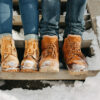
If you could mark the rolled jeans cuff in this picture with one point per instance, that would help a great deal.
(5, 34)
(31, 36)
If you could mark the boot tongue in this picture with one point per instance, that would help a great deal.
(31, 47)
(47, 40)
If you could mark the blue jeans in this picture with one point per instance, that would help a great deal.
(49, 24)
(74, 17)
(29, 15)
(51, 14)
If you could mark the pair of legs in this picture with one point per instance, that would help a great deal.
(49, 25)
(74, 17)
(30, 20)
(29, 15)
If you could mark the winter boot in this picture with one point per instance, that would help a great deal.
(49, 61)
(73, 56)
(9, 59)
(0, 45)
(31, 56)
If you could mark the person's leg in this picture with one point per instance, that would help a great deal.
(49, 32)
(75, 17)
(50, 17)
(9, 57)
(5, 17)
(73, 56)
(30, 19)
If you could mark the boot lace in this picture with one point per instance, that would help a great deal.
(50, 50)
(8, 49)
(73, 50)
(31, 50)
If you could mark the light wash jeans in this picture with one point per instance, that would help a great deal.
(50, 17)
(29, 15)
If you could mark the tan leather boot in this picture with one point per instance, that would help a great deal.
(0, 44)
(49, 57)
(73, 56)
(9, 59)
(31, 56)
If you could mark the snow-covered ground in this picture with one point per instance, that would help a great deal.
(94, 61)
(89, 90)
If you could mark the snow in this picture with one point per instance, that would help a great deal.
(98, 28)
(89, 35)
(86, 12)
(18, 35)
(15, 13)
(88, 90)
(94, 61)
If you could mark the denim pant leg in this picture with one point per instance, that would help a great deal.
(75, 17)
(5, 17)
(50, 17)
(30, 17)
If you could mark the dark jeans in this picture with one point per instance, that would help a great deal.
(74, 17)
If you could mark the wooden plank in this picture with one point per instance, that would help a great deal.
(94, 10)
(85, 43)
(62, 75)
(17, 19)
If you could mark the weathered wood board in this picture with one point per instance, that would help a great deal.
(94, 10)
(62, 75)
(85, 43)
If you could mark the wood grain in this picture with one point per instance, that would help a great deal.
(62, 75)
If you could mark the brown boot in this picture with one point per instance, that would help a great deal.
(0, 44)
(9, 59)
(49, 57)
(73, 56)
(31, 56)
